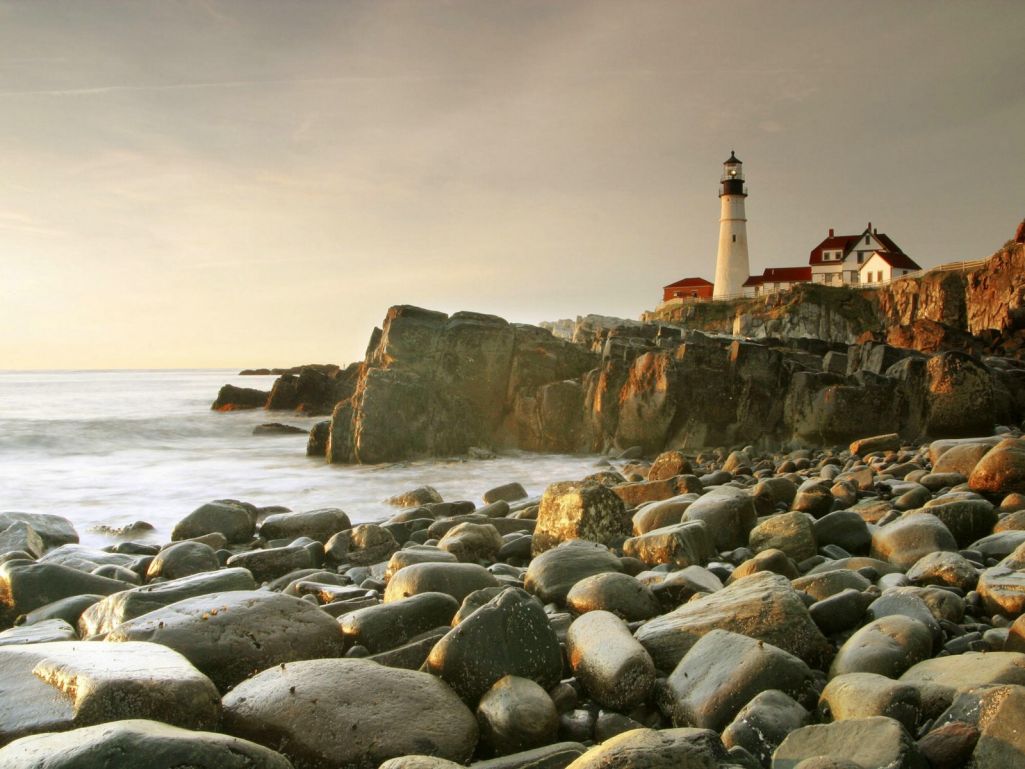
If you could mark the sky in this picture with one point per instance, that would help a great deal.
(233, 183)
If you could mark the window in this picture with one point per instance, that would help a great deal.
(734, 238)
(879, 276)
(861, 256)
(867, 240)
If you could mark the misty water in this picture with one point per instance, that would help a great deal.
(113, 447)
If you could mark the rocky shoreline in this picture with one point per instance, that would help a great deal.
(815, 608)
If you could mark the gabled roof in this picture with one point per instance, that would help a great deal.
(754, 280)
(897, 260)
(836, 243)
(689, 283)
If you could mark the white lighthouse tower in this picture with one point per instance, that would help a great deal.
(731, 264)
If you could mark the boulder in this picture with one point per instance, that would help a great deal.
(763, 606)
(232, 398)
(320, 524)
(1001, 470)
(235, 521)
(763, 723)
(614, 669)
(793, 533)
(864, 695)
(417, 554)
(182, 559)
(330, 713)
(666, 512)
(421, 495)
(864, 446)
(681, 545)
(966, 518)
(510, 635)
(28, 586)
(668, 464)
(455, 579)
(41, 632)
(998, 714)
(944, 568)
(844, 528)
(507, 492)
(230, 636)
(729, 517)
(53, 530)
(651, 749)
(21, 538)
(724, 671)
(623, 595)
(938, 679)
(103, 616)
(472, 542)
(887, 646)
(138, 744)
(273, 562)
(961, 458)
(910, 537)
(50, 687)
(571, 511)
(389, 625)
(516, 714)
(363, 545)
(878, 742)
(552, 574)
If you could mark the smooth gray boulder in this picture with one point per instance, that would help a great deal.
(887, 646)
(41, 632)
(863, 695)
(552, 574)
(235, 520)
(680, 544)
(103, 616)
(724, 671)
(54, 530)
(325, 714)
(516, 714)
(730, 516)
(621, 594)
(455, 579)
(28, 586)
(763, 723)
(661, 749)
(182, 559)
(879, 743)
(762, 606)
(390, 625)
(510, 635)
(51, 687)
(138, 744)
(319, 524)
(231, 636)
(614, 669)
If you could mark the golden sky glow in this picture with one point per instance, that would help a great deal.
(246, 182)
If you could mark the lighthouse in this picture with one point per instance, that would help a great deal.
(731, 264)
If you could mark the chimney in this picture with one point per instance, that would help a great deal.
(870, 226)
(875, 232)
(830, 232)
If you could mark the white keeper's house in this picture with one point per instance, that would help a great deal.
(871, 257)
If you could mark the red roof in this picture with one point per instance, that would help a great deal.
(898, 260)
(837, 243)
(688, 282)
(754, 280)
(786, 274)
(846, 244)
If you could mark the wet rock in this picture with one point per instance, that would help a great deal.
(511, 635)
(573, 511)
(68, 609)
(682, 545)
(53, 530)
(949, 746)
(1001, 470)
(729, 517)
(887, 646)
(998, 714)
(278, 428)
(508, 492)
(20, 537)
(363, 545)
(668, 464)
(621, 594)
(951, 569)
(138, 744)
(182, 559)
(58, 686)
(551, 574)
(637, 493)
(864, 446)
(879, 742)
(651, 749)
(774, 561)
(472, 542)
(418, 554)
(28, 586)
(844, 528)
(909, 538)
(389, 625)
(455, 579)
(763, 606)
(864, 695)
(723, 671)
(961, 458)
(235, 521)
(273, 562)
(967, 519)
(231, 636)
(792, 533)
(319, 524)
(657, 515)
(763, 723)
(824, 584)
(105, 615)
(317, 713)
(417, 497)
(614, 669)
(232, 398)
(41, 632)
(516, 714)
(938, 679)
(840, 612)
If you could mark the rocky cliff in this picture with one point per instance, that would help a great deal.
(979, 308)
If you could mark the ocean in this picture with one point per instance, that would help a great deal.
(113, 447)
